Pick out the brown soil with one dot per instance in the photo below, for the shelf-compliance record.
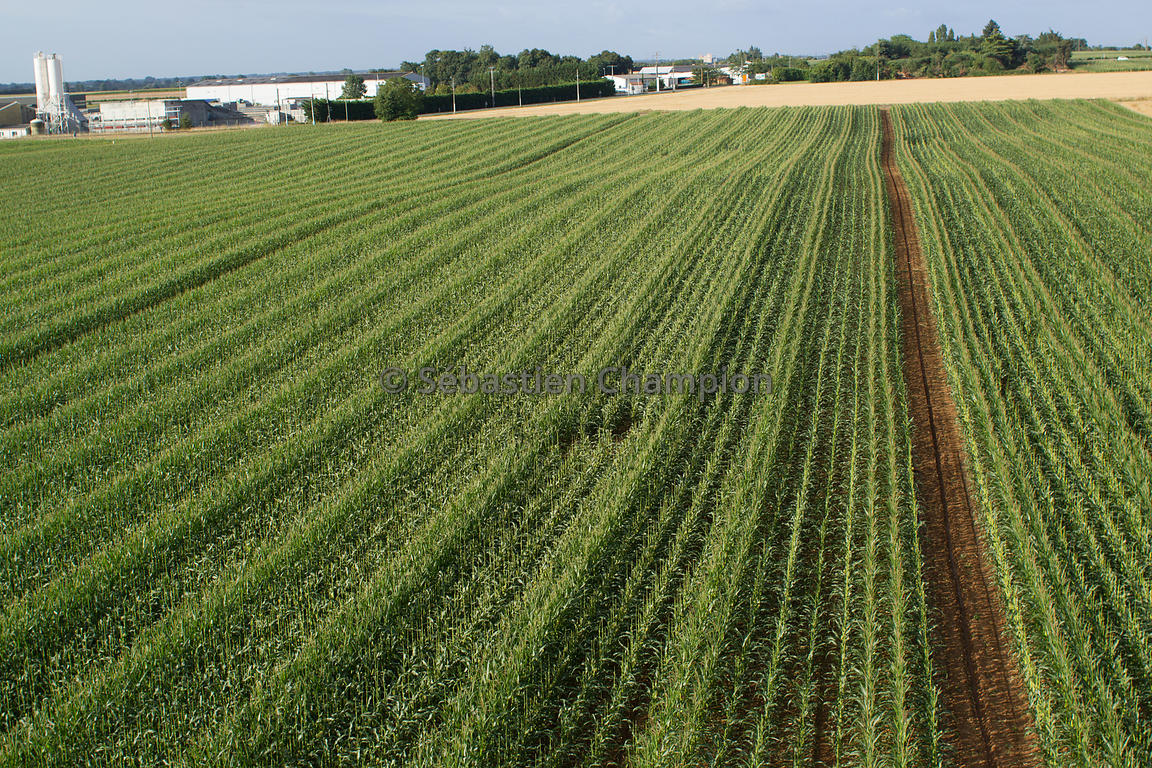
(979, 676)
(1143, 106)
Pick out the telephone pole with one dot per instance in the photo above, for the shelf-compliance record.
(657, 71)
(492, 78)
(453, 94)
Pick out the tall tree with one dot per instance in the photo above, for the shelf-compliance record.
(996, 46)
(354, 88)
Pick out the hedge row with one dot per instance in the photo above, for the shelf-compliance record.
(357, 110)
(442, 102)
(364, 109)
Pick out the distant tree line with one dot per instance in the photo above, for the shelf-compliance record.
(943, 54)
(476, 71)
(127, 84)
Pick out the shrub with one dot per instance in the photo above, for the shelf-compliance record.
(398, 99)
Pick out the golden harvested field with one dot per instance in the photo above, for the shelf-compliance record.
(1143, 106)
(1095, 85)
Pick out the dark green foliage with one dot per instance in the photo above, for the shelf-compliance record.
(594, 89)
(530, 68)
(705, 75)
(341, 109)
(787, 74)
(398, 99)
(943, 55)
(354, 87)
(999, 48)
(442, 102)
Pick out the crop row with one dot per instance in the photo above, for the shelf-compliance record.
(1035, 223)
(223, 542)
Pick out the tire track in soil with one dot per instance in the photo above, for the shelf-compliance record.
(979, 680)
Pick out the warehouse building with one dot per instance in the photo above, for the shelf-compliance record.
(15, 118)
(281, 89)
(665, 78)
(157, 114)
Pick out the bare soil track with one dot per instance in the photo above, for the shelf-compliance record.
(980, 679)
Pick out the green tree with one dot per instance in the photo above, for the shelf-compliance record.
(398, 99)
(996, 46)
(1062, 55)
(354, 87)
(704, 75)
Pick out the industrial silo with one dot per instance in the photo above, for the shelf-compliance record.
(40, 68)
(56, 82)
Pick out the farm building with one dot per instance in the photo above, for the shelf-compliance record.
(14, 131)
(142, 115)
(645, 79)
(278, 89)
(629, 84)
(670, 75)
(15, 118)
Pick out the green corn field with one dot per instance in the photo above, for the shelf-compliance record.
(224, 542)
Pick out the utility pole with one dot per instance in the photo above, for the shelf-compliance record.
(453, 94)
(519, 92)
(492, 78)
(577, 82)
(149, 103)
(657, 71)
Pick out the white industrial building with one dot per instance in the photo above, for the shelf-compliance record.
(275, 90)
(629, 84)
(645, 79)
(165, 114)
(15, 131)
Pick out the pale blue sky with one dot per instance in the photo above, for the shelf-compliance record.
(134, 38)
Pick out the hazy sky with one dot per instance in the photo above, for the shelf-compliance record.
(132, 38)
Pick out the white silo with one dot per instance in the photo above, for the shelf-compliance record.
(40, 68)
(56, 82)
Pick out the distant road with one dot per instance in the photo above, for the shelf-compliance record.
(1073, 85)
